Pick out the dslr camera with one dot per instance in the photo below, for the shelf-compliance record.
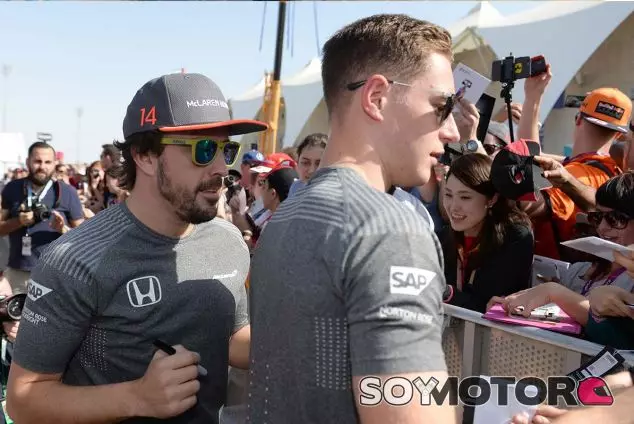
(11, 307)
(41, 212)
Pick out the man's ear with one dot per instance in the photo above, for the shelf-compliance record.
(374, 96)
(147, 163)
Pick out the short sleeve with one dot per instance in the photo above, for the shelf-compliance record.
(7, 196)
(393, 298)
(242, 310)
(75, 208)
(55, 318)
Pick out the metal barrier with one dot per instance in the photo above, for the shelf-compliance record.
(476, 346)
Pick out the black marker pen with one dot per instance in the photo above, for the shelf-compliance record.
(171, 351)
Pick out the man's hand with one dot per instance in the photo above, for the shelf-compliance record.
(503, 115)
(467, 118)
(169, 385)
(543, 415)
(10, 327)
(554, 171)
(611, 301)
(534, 87)
(11, 330)
(626, 261)
(57, 222)
(26, 219)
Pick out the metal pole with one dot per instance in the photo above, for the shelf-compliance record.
(276, 89)
(80, 113)
(6, 70)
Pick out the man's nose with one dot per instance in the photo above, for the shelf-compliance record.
(218, 165)
(449, 130)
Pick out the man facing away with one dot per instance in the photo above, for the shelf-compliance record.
(347, 281)
(156, 267)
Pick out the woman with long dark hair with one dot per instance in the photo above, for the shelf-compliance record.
(493, 242)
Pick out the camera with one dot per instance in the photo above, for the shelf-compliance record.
(232, 182)
(512, 68)
(11, 307)
(41, 212)
(452, 152)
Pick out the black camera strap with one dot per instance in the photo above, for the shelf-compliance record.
(28, 192)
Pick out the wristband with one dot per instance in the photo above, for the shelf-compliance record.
(448, 294)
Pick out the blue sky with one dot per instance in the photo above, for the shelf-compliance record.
(95, 55)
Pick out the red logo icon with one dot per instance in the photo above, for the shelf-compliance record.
(593, 391)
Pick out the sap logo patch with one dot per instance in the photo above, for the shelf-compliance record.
(408, 280)
(35, 290)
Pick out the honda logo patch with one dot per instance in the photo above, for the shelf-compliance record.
(144, 291)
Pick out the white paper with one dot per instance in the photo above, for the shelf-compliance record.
(474, 83)
(597, 247)
(548, 268)
(492, 413)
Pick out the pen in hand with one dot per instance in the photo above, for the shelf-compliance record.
(171, 351)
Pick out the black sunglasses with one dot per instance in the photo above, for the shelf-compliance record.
(450, 99)
(615, 219)
(632, 126)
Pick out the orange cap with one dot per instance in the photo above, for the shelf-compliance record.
(607, 107)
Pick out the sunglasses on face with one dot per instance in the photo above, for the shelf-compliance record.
(204, 150)
(615, 219)
(450, 99)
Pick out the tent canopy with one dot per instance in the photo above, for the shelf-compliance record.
(559, 31)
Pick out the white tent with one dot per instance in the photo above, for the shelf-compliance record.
(566, 33)
(463, 37)
(301, 93)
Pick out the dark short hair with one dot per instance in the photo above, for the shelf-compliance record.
(618, 193)
(312, 140)
(141, 143)
(396, 46)
(40, 145)
(112, 151)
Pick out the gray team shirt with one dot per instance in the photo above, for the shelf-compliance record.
(102, 293)
(346, 281)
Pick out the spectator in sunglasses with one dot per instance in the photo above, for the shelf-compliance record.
(156, 267)
(592, 292)
(497, 138)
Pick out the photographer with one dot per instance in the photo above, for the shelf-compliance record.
(35, 211)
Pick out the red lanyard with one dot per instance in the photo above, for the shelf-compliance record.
(608, 282)
(464, 259)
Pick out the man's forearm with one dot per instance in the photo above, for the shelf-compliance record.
(55, 402)
(581, 194)
(528, 127)
(239, 347)
(9, 226)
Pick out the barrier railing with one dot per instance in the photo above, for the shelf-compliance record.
(476, 346)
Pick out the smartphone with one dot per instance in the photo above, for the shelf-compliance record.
(485, 107)
(538, 316)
